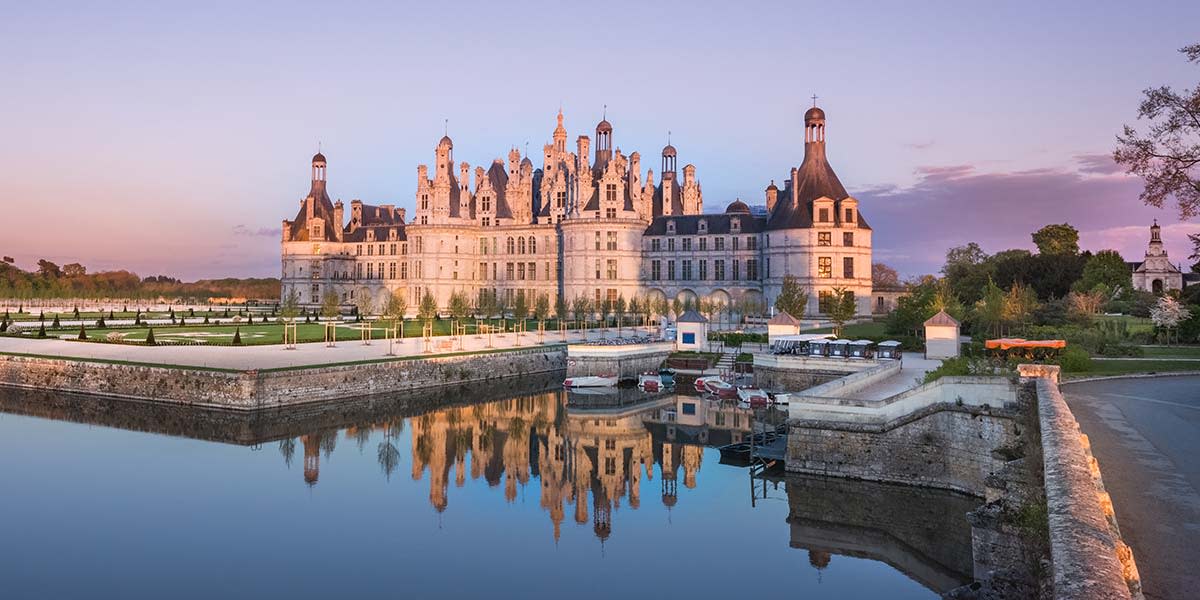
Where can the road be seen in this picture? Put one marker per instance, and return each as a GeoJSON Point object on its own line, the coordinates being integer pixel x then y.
{"type": "Point", "coordinates": [1146, 435]}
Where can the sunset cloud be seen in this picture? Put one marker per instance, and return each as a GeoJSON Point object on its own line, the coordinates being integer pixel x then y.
{"type": "Point", "coordinates": [260, 232]}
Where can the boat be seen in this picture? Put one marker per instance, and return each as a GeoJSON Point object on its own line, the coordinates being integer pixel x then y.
{"type": "Point", "coordinates": [753, 396]}
{"type": "Point", "coordinates": [667, 376]}
{"type": "Point", "coordinates": [590, 381]}
{"type": "Point", "coordinates": [713, 384]}
{"type": "Point", "coordinates": [650, 382]}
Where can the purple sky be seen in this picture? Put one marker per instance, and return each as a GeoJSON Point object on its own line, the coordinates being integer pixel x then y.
{"type": "Point", "coordinates": [175, 139]}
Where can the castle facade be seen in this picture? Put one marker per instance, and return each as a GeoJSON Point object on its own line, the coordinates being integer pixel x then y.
{"type": "Point", "coordinates": [589, 222]}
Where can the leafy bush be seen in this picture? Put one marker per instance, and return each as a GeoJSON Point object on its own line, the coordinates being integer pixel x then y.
{"type": "Point", "coordinates": [1075, 360]}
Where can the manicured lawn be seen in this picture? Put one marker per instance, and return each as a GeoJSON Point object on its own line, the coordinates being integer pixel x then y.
{"type": "Point", "coordinates": [272, 333]}
{"type": "Point", "coordinates": [870, 329]}
{"type": "Point", "coordinates": [1171, 351]}
{"type": "Point", "coordinates": [1121, 367]}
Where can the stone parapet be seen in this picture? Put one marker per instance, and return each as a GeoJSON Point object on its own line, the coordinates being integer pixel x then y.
{"type": "Point", "coordinates": [255, 390]}
{"type": "Point", "coordinates": [627, 361]}
{"type": "Point", "coordinates": [1089, 558]}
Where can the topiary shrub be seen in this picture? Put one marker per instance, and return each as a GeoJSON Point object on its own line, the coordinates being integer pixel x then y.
{"type": "Point", "coordinates": [42, 316]}
{"type": "Point", "coordinates": [137, 319]}
{"type": "Point", "coordinates": [76, 312]}
{"type": "Point", "coordinates": [249, 319]}
{"type": "Point", "coordinates": [100, 324]}
{"type": "Point", "coordinates": [206, 319]}
{"type": "Point", "coordinates": [41, 330]}
{"type": "Point", "coordinates": [55, 324]}
{"type": "Point", "coordinates": [150, 338]}
{"type": "Point", "coordinates": [110, 313]}
{"type": "Point", "coordinates": [82, 332]}
{"type": "Point", "coordinates": [182, 321]}
{"type": "Point", "coordinates": [191, 312]}
{"type": "Point", "coordinates": [237, 336]}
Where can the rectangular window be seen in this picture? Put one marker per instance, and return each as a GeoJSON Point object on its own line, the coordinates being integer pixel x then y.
{"type": "Point", "coordinates": [610, 192]}
{"type": "Point", "coordinates": [611, 298]}
{"type": "Point", "coordinates": [736, 269]}
{"type": "Point", "coordinates": [824, 238]}
{"type": "Point", "coordinates": [597, 268]}
{"type": "Point", "coordinates": [719, 243]}
{"type": "Point", "coordinates": [655, 245]}
{"type": "Point", "coordinates": [848, 238]}
{"type": "Point", "coordinates": [823, 215]}
{"type": "Point", "coordinates": [752, 269]}
{"type": "Point", "coordinates": [689, 408]}
{"type": "Point", "coordinates": [370, 268]}
{"type": "Point", "coordinates": [521, 271]}
{"type": "Point", "coordinates": [849, 215]}
{"type": "Point", "coordinates": [610, 213]}
{"type": "Point", "coordinates": [393, 249]}
{"type": "Point", "coordinates": [597, 240]}
{"type": "Point", "coordinates": [656, 270]}
{"type": "Point", "coordinates": [404, 249]}
{"type": "Point", "coordinates": [671, 245]}
{"type": "Point", "coordinates": [751, 243]}
{"type": "Point", "coordinates": [612, 240]}
{"type": "Point", "coordinates": [509, 271]}
{"type": "Point", "coordinates": [381, 249]}
{"type": "Point", "coordinates": [703, 244]}
{"type": "Point", "coordinates": [670, 270]}
{"type": "Point", "coordinates": [483, 271]}
{"type": "Point", "coordinates": [370, 250]}
{"type": "Point", "coordinates": [703, 269]}
{"type": "Point", "coordinates": [848, 267]}
{"type": "Point", "coordinates": [687, 270]}
{"type": "Point", "coordinates": [547, 271]}
{"type": "Point", "coordinates": [391, 270]}
{"type": "Point", "coordinates": [612, 268]}
{"type": "Point", "coordinates": [824, 300]}
{"type": "Point", "coordinates": [735, 244]}
{"type": "Point", "coordinates": [403, 270]}
{"type": "Point", "coordinates": [687, 244]}
{"type": "Point", "coordinates": [358, 250]}
{"type": "Point", "coordinates": [719, 269]}
{"type": "Point", "coordinates": [825, 267]}
{"type": "Point", "coordinates": [532, 271]}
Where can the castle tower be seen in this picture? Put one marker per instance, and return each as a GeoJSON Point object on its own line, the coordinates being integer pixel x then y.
{"type": "Point", "coordinates": [560, 134]}
{"type": "Point", "coordinates": [604, 146]}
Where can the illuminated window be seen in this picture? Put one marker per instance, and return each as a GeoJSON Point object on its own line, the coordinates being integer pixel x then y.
{"type": "Point", "coordinates": [824, 267]}
{"type": "Point", "coordinates": [824, 238]}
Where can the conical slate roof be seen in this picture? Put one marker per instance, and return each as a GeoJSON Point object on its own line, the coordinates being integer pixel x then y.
{"type": "Point", "coordinates": [691, 316]}
{"type": "Point", "coordinates": [815, 179]}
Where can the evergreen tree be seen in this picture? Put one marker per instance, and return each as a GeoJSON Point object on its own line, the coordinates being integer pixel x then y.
{"type": "Point", "coordinates": [82, 332]}
{"type": "Point", "coordinates": [237, 336]}
{"type": "Point", "coordinates": [100, 322]}
{"type": "Point", "coordinates": [42, 316]}
{"type": "Point", "coordinates": [55, 324]}
{"type": "Point", "coordinates": [171, 311]}
{"type": "Point", "coordinates": [182, 321]}
{"type": "Point", "coordinates": [42, 330]}
{"type": "Point", "coordinates": [206, 319]}
{"type": "Point", "coordinates": [249, 319]}
{"type": "Point", "coordinates": [793, 298]}
{"type": "Point", "coordinates": [150, 338]}
{"type": "Point", "coordinates": [137, 319]}
{"type": "Point", "coordinates": [841, 308]}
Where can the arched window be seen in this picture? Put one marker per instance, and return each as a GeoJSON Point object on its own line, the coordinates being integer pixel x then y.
{"type": "Point", "coordinates": [532, 245]}
{"type": "Point", "coordinates": [521, 245]}
{"type": "Point", "coordinates": [511, 246]}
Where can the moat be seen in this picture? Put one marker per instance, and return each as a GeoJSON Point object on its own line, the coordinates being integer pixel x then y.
{"type": "Point", "coordinates": [517, 491]}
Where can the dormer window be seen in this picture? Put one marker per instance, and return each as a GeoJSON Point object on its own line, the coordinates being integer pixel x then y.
{"type": "Point", "coordinates": [823, 215]}
{"type": "Point", "coordinates": [671, 227]}
{"type": "Point", "coordinates": [849, 217]}
{"type": "Point", "coordinates": [735, 224]}
{"type": "Point", "coordinates": [703, 226]}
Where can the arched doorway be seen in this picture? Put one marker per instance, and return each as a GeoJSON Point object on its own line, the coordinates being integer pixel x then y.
{"type": "Point", "coordinates": [1156, 286]}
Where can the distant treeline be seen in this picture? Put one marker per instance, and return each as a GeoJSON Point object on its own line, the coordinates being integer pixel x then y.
{"type": "Point", "coordinates": [73, 281]}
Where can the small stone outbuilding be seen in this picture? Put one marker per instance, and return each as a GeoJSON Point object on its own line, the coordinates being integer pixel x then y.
{"type": "Point", "coordinates": [693, 332]}
{"type": "Point", "coordinates": [782, 324]}
{"type": "Point", "coordinates": [941, 336]}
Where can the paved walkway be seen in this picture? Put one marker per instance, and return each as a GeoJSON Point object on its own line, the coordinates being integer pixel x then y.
{"type": "Point", "coordinates": [276, 356]}
{"type": "Point", "coordinates": [912, 374]}
{"type": "Point", "coordinates": [1146, 435]}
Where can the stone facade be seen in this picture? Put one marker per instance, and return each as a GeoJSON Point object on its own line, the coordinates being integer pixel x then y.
{"type": "Point", "coordinates": [1156, 273]}
{"type": "Point", "coordinates": [586, 223]}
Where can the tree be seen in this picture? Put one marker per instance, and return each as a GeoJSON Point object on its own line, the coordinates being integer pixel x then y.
{"type": "Point", "coordinates": [841, 308]}
{"type": "Point", "coordinates": [967, 271]}
{"type": "Point", "coordinates": [1168, 314]}
{"type": "Point", "coordinates": [330, 305]}
{"type": "Point", "coordinates": [427, 310]}
{"type": "Point", "coordinates": [520, 307]}
{"type": "Point", "coordinates": [1167, 156]}
{"type": "Point", "coordinates": [560, 307]}
{"type": "Point", "coordinates": [1019, 304]}
{"type": "Point", "coordinates": [618, 308]}
{"type": "Point", "coordinates": [82, 332]}
{"type": "Point", "coordinates": [1105, 267]}
{"type": "Point", "coordinates": [1195, 239]}
{"type": "Point", "coordinates": [989, 309]}
{"type": "Point", "coordinates": [150, 338]}
{"type": "Point", "coordinates": [364, 303]}
{"type": "Point", "coordinates": [541, 309]}
{"type": "Point", "coordinates": [793, 298]}
{"type": "Point", "coordinates": [677, 307]}
{"type": "Point", "coordinates": [580, 308]}
{"type": "Point", "coordinates": [881, 275]}
{"type": "Point", "coordinates": [635, 307]}
{"type": "Point", "coordinates": [460, 306]}
{"type": "Point", "coordinates": [74, 270]}
{"type": "Point", "coordinates": [291, 306]}
{"type": "Point", "coordinates": [237, 336]}
{"type": "Point", "coordinates": [397, 305]}
{"type": "Point", "coordinates": [1057, 240]}
{"type": "Point", "coordinates": [48, 269]}
{"type": "Point", "coordinates": [56, 324]}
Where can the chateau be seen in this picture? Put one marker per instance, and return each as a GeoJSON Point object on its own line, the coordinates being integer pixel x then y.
{"type": "Point", "coordinates": [589, 222]}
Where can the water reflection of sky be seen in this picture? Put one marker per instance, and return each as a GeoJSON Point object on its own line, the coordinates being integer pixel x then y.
{"type": "Point", "coordinates": [520, 498]}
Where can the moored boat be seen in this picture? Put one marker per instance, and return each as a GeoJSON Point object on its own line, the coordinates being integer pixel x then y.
{"type": "Point", "coordinates": [753, 396]}
{"type": "Point", "coordinates": [590, 381]}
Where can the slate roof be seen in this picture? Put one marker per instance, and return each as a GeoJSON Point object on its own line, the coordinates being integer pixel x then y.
{"type": "Point", "coordinates": [814, 180]}
{"type": "Point", "coordinates": [942, 318]}
{"type": "Point", "coordinates": [718, 224]}
{"type": "Point", "coordinates": [691, 316]}
{"type": "Point", "coordinates": [322, 208]}
{"type": "Point", "coordinates": [782, 318]}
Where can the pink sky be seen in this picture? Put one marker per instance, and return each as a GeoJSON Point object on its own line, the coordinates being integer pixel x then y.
{"type": "Point", "coordinates": [173, 140]}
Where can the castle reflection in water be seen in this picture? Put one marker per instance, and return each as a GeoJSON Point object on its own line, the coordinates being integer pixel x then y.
{"type": "Point", "coordinates": [617, 448]}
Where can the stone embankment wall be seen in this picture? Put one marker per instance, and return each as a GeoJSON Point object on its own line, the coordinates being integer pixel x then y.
{"type": "Point", "coordinates": [787, 373]}
{"type": "Point", "coordinates": [253, 390]}
{"type": "Point", "coordinates": [627, 361]}
{"type": "Point", "coordinates": [941, 435]}
{"type": "Point", "coordinates": [1089, 559]}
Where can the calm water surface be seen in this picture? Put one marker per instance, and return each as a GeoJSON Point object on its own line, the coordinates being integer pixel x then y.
{"type": "Point", "coordinates": [531, 496]}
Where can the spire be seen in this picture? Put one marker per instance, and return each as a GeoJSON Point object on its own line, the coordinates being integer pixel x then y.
{"type": "Point", "coordinates": [814, 131]}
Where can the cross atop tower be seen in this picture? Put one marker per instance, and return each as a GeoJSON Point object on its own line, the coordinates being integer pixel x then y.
{"type": "Point", "coordinates": [814, 99]}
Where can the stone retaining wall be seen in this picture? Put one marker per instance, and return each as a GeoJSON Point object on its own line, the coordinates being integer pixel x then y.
{"type": "Point", "coordinates": [254, 390]}
{"type": "Point", "coordinates": [627, 361]}
{"type": "Point", "coordinates": [788, 373]}
{"type": "Point", "coordinates": [1089, 558]}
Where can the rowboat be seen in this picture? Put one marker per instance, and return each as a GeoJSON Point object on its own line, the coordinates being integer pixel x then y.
{"type": "Point", "coordinates": [590, 381]}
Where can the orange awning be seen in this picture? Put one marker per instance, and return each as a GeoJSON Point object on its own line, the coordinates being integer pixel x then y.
{"type": "Point", "coordinates": [1010, 343]}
